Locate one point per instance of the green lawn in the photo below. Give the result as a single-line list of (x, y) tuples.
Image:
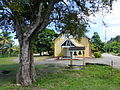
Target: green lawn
[(51, 77), (7, 81)]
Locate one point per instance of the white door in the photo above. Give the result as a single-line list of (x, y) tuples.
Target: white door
[(73, 56), (68, 52)]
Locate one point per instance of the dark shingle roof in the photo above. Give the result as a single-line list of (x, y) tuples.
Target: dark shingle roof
[(68, 42)]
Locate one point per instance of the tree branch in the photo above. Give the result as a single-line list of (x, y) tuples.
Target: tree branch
[(41, 23), (83, 8)]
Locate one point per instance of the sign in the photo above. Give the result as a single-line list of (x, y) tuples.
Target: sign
[(76, 48)]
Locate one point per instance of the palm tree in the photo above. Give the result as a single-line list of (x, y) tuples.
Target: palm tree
[(5, 40)]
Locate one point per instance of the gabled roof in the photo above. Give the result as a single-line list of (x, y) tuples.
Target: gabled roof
[(68, 42)]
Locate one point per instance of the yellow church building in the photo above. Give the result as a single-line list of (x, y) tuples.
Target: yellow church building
[(64, 44)]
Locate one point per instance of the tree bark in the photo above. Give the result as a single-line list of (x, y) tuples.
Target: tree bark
[(40, 53), (26, 73)]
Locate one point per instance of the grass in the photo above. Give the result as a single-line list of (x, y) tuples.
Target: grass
[(6, 81), (93, 77), (56, 77)]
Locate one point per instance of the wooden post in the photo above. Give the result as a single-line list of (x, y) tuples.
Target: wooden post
[(112, 68), (71, 58), (83, 59)]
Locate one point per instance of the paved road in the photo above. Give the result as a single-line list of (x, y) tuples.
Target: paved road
[(106, 59)]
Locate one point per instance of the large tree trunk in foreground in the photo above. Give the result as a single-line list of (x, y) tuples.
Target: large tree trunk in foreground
[(26, 73)]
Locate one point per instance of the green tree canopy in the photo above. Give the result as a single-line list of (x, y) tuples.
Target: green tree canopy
[(117, 39), (44, 41), (96, 43), (113, 45)]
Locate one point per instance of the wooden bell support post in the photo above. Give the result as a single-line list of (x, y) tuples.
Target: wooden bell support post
[(83, 52), (80, 49), (71, 59)]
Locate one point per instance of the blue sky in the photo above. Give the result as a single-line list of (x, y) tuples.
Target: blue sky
[(111, 19)]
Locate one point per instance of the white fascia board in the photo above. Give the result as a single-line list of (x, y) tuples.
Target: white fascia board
[(67, 46)]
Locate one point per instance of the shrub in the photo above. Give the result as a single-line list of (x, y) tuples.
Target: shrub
[(60, 55), (118, 54), (97, 54)]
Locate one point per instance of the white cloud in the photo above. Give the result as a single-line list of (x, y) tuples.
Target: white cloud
[(111, 19), (115, 10), (111, 32)]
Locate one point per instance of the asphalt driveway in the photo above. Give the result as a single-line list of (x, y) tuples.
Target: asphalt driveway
[(107, 59)]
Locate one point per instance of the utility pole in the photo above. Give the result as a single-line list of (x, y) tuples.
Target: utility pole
[(105, 41), (105, 25)]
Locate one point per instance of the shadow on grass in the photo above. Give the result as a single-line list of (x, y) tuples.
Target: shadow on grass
[(97, 64), (48, 74), (48, 68), (57, 77), (54, 77), (10, 77)]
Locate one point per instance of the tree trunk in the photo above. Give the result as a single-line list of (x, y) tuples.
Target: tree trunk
[(40, 53), (26, 73)]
